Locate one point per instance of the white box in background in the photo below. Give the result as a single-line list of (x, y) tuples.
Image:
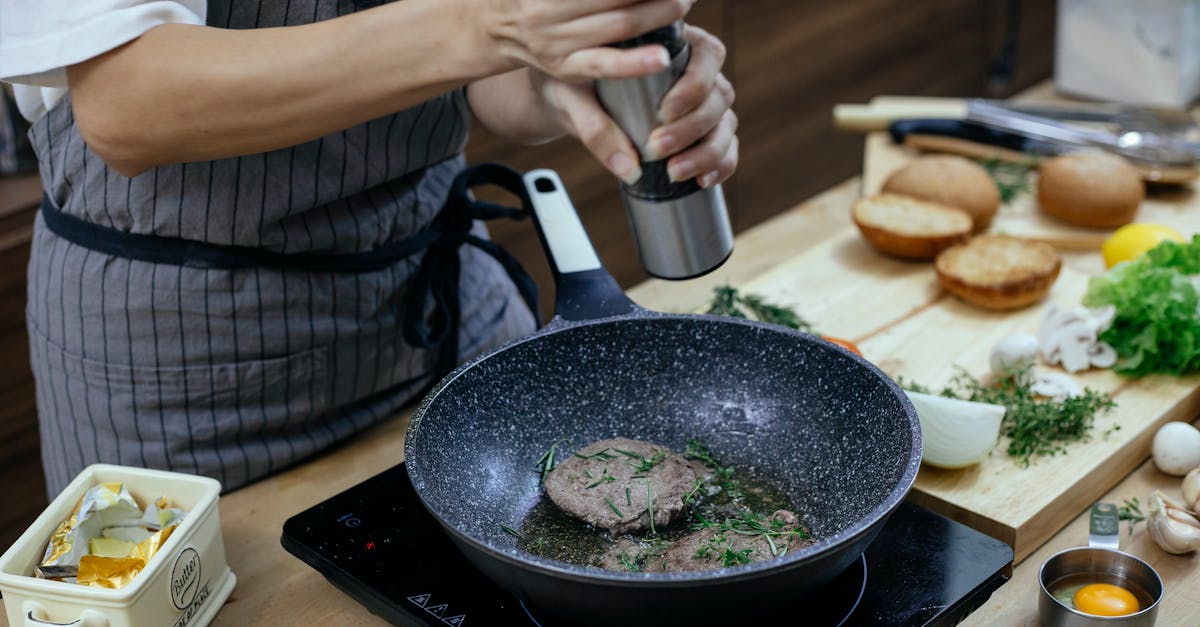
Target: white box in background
[(1132, 51), (184, 584)]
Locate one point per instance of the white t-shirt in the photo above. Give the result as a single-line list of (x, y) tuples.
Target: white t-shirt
[(40, 38)]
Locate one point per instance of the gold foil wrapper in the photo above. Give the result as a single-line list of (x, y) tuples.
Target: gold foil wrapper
[(116, 572), (108, 516)]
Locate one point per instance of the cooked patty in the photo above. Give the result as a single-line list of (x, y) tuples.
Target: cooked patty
[(614, 484), (730, 544)]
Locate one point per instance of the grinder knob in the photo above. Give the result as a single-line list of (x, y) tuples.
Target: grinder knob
[(681, 229)]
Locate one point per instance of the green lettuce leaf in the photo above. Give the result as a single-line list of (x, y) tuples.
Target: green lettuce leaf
[(1157, 298)]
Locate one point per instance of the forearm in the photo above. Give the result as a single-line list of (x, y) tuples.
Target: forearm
[(192, 93), (511, 106)]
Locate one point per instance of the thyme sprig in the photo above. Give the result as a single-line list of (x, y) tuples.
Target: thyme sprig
[(728, 302), (1035, 426), (1012, 179), (1131, 510)]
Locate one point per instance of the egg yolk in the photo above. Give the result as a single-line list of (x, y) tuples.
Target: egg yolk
[(1105, 599)]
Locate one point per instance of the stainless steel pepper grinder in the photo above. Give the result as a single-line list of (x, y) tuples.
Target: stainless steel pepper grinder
[(681, 229)]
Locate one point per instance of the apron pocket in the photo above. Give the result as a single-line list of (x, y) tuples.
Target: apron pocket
[(217, 420)]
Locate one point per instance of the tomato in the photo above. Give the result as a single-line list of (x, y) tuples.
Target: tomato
[(846, 344)]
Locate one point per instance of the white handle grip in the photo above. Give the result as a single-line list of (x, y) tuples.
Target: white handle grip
[(564, 234), (35, 616), (884, 110)]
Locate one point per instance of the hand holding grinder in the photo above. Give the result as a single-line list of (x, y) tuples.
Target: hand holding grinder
[(681, 229)]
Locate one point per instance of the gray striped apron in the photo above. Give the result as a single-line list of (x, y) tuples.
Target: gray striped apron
[(236, 373)]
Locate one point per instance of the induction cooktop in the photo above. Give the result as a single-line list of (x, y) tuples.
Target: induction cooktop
[(378, 544)]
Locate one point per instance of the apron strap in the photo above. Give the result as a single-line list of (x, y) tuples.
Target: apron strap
[(438, 273), (436, 278)]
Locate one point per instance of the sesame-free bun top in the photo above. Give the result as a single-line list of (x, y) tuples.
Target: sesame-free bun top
[(1091, 189), (952, 181)]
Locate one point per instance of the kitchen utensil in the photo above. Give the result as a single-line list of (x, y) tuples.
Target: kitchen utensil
[(821, 424), (976, 141), (1144, 147), (878, 114), (681, 229), (1102, 561)]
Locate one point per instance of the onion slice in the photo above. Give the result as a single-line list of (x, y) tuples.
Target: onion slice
[(956, 433)]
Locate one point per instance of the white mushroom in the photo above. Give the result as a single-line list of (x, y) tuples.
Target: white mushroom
[(1176, 448), (1055, 385), (1070, 337), (1012, 352)]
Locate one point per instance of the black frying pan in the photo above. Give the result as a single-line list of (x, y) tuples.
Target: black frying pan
[(827, 427)]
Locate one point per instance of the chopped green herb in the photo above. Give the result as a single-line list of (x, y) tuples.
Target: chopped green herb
[(650, 508), (690, 497), (723, 474), (629, 564), (510, 531), (627, 499), (603, 455), (728, 302), (604, 478), (589, 474), (613, 507), (546, 462)]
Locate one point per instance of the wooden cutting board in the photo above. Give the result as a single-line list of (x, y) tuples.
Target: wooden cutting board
[(902, 320), (1021, 217)]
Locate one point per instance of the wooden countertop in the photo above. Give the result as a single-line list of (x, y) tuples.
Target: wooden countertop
[(272, 584)]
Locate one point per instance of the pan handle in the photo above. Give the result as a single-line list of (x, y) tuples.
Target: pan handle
[(584, 290)]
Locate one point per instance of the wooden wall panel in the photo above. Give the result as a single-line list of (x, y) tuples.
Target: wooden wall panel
[(791, 61)]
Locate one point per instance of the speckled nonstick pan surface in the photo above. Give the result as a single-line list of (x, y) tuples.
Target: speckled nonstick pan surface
[(822, 424)]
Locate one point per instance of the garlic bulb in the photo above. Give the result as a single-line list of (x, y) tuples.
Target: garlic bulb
[(956, 433), (1013, 351), (1069, 337), (1191, 489), (1172, 527)]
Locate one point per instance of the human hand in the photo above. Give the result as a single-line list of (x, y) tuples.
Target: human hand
[(567, 39), (698, 133)]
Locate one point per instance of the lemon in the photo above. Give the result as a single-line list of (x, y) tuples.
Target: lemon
[(1133, 240)]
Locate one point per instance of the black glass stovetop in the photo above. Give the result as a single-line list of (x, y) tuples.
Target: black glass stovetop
[(377, 544)]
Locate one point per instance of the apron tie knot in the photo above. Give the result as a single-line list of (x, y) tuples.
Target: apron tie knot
[(433, 312)]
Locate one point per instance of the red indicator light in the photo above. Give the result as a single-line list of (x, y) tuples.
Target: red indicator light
[(370, 546)]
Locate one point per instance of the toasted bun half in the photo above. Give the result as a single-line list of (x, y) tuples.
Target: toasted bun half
[(998, 272), (909, 228), (952, 181)]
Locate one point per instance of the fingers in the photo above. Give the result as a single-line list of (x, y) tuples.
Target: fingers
[(570, 40), (687, 130), (597, 131), (712, 160), (699, 79), (607, 27), (605, 62)]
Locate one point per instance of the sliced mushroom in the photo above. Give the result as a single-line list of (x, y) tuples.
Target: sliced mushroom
[(1102, 355), (1055, 385)]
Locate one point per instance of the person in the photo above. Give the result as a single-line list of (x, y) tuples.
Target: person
[(222, 180)]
